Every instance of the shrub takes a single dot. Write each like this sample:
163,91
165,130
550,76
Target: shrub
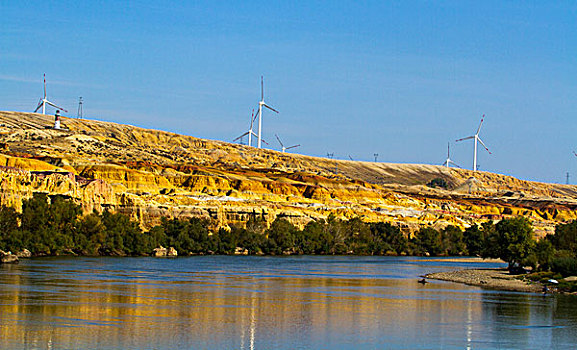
565,266
438,183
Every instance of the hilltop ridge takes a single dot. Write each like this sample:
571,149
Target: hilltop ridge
148,174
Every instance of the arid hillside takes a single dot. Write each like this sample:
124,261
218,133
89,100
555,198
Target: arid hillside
149,174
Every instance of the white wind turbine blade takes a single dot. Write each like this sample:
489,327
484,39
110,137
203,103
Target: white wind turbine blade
241,136
55,106
251,119
465,138
255,135
481,141
279,141
261,88
39,105
44,85
481,123
455,164
295,146
269,107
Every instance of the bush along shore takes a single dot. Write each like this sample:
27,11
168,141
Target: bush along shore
49,226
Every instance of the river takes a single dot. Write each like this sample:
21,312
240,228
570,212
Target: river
304,302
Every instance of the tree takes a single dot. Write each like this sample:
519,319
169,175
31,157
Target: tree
511,241
565,237
123,236
91,233
49,228
388,237
190,236
544,253
453,241
334,235
10,237
281,236
251,240
474,240
157,236
197,231
359,236
37,234
308,240
428,240
63,219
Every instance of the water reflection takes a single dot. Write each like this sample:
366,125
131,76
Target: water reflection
262,303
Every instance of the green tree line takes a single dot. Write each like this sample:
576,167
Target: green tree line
56,226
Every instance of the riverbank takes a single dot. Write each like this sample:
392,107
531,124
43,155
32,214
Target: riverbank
487,278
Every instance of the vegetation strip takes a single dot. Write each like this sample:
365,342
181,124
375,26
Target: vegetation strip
54,226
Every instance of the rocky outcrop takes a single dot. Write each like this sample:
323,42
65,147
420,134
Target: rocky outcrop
240,251
24,253
148,174
161,252
8,258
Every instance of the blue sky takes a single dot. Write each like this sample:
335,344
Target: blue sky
397,78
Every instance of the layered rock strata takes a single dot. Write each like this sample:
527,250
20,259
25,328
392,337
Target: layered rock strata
149,174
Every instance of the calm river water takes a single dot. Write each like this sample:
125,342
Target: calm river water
224,302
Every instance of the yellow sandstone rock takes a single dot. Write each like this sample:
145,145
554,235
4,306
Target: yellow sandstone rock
148,174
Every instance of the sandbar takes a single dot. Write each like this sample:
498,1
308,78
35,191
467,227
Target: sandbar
499,279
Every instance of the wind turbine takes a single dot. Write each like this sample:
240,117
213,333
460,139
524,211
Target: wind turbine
250,133
44,101
448,162
247,133
282,146
259,113
476,138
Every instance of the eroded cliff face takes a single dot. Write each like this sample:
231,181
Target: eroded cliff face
149,174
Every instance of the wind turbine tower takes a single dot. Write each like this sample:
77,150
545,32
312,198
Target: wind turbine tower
44,101
80,111
449,161
262,104
250,132
476,139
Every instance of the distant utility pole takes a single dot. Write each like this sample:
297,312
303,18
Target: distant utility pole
331,156
376,156
80,111
567,181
